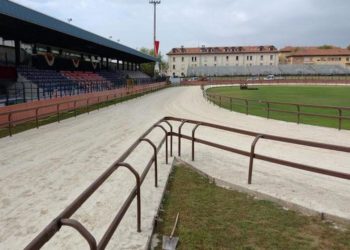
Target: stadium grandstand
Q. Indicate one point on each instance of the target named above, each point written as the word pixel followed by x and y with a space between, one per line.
pixel 42 57
pixel 265 70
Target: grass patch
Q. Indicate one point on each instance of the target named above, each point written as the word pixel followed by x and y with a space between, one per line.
pixel 317 95
pixel 216 218
pixel 67 114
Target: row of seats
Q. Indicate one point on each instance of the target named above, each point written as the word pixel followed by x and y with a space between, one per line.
pixel 45 79
pixel 48 79
pixel 50 83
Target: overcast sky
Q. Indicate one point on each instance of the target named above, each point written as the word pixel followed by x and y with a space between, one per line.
pixel 208 22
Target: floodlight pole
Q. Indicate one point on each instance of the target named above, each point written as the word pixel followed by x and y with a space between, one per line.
pixel 154 2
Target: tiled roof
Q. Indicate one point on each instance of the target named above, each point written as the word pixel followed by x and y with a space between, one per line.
pixel 223 50
pixel 320 52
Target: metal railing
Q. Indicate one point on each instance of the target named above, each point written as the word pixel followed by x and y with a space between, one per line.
pixel 64 106
pixel 251 154
pixel 246 104
pixel 25 90
pixel 64 218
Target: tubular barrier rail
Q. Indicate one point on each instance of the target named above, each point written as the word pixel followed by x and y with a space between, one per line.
pixel 33 113
pixel 220 99
pixel 251 154
pixel 64 218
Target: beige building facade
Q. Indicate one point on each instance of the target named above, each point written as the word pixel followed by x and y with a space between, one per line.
pixel 324 55
pixel 180 59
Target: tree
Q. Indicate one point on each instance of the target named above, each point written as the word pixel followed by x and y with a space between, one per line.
pixel 348 47
pixel 326 46
pixel 148 68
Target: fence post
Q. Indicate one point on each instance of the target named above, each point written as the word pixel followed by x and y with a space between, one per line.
pixel 179 136
pixel 252 156
pixel 58 112
pixel 268 110
pixel 155 160
pixel 298 108
pixel 340 117
pixel 246 107
pixel 87 106
pixel 75 108
pixel 10 123
pixel 231 104
pixel 36 117
pixel 193 139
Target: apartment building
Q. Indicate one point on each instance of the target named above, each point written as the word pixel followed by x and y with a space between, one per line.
pixel 182 58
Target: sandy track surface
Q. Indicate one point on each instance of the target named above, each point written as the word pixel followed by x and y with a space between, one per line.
pixel 43 170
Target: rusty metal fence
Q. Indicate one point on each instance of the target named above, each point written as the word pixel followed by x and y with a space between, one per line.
pixel 56 109
pixel 270 107
pixel 64 219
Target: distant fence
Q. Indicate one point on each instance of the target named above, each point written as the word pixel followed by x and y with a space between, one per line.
pixel 11 116
pixel 277 107
pixel 64 218
pixel 25 91
pixel 238 81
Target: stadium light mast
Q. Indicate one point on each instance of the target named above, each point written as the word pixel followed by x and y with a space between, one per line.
pixel 155 3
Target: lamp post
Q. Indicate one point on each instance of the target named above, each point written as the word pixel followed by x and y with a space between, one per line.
pixel 155 2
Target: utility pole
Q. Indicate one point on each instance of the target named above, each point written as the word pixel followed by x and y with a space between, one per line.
pixel 154 2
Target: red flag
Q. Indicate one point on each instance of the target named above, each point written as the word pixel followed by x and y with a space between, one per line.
pixel 156 47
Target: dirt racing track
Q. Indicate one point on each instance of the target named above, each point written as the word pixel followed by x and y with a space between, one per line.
pixel 43 170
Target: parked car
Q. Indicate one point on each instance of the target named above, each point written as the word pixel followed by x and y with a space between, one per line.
pixel 269 77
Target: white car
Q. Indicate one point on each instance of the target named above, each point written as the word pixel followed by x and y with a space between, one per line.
pixel 269 77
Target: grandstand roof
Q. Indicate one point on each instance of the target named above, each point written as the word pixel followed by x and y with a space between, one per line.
pixel 223 50
pixel 29 26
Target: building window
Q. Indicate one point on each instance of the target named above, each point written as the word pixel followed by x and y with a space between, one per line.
pixel 247 58
pixel 237 58
pixel 227 58
pixel 261 57
pixel 271 57
pixel 215 59
pixel 182 59
pixel 347 59
pixel 173 67
pixel 251 58
pixel 174 59
pixel 195 59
